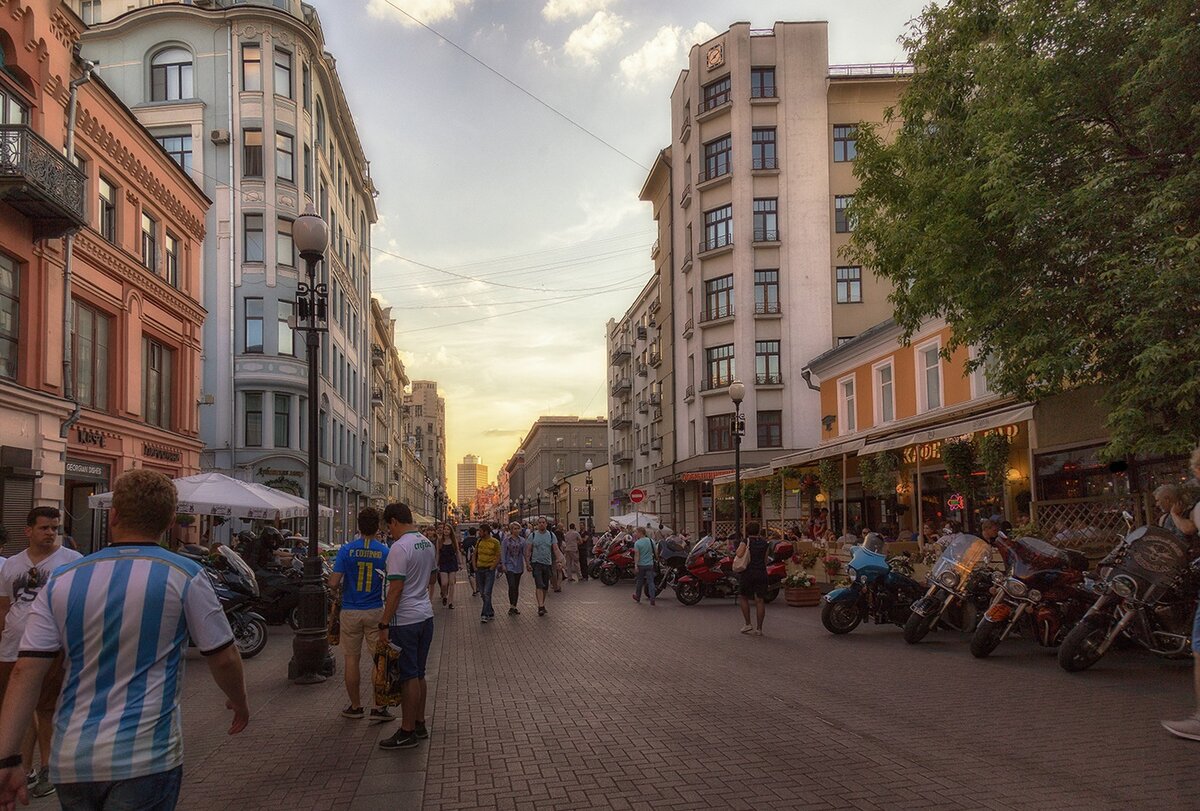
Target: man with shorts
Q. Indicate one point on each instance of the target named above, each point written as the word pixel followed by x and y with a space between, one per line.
pixel 539 554
pixel 357 569
pixel 21 578
pixel 408 619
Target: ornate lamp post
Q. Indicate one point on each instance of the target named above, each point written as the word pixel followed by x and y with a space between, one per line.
pixel 737 393
pixel 587 466
pixel 311 662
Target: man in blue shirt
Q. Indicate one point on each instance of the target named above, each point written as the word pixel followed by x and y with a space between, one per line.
pixel 644 554
pixel 359 570
pixel 539 554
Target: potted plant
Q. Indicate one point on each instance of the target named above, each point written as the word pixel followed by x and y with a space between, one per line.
pixel 182 520
pixel 833 566
pixel 806 558
pixel 800 589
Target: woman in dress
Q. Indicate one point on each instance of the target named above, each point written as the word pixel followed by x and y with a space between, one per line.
pixel 448 556
pixel 753 578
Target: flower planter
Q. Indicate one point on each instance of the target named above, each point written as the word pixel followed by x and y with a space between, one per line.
pixel 802 597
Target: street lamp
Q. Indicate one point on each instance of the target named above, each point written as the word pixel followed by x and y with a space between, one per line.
pixel 587 466
pixel 311 662
pixel 737 393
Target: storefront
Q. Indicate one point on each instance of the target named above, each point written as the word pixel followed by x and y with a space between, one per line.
pixel 85 478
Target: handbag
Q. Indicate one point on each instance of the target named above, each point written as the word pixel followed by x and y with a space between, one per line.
pixel 740 564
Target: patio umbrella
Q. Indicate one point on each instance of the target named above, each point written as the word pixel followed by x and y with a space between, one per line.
pixel 631 520
pixel 218 494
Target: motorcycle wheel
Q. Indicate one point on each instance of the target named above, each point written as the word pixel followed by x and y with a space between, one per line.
pixel 250 637
pixel 840 618
pixel 609 576
pixel 986 638
pixel 917 627
pixel 688 593
pixel 1081 649
pixel 293 618
pixel 772 593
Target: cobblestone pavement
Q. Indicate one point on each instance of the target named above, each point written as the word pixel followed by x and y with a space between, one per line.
pixel 607 703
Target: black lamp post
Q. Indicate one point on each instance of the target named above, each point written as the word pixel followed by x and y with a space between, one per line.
pixel 587 466
pixel 311 662
pixel 737 393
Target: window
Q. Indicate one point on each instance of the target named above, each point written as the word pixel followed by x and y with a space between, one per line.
pixel 885 393
pixel 306 85
pixel 762 146
pixel 980 385
pixel 766 291
pixel 718 298
pixel 149 243
pixel 308 170
pixel 715 94
pixel 12 109
pixel 285 249
pixel 254 244
pixel 285 157
pixel 766 219
pixel 845 143
pixel 841 339
pixel 156 383
pixel 849 285
pixel 847 418
pixel 251 66
pixel 171 255
pixel 929 376
pixel 171 75
pixel 843 223
pixel 287 310
pixel 283 74
pixel 252 153
pixel 108 210
pixel 89 12
pixel 770 429
pixel 283 420
pixel 717 155
pixel 766 363
pixel 253 419
pixel 10 316
pixel 762 83
pixel 90 351
pixel 179 147
pixel 320 116
pixel 253 335
pixel 720 437
pixel 718 228
pixel 718 362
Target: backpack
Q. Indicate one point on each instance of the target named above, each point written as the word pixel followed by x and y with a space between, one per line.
pixel 487 552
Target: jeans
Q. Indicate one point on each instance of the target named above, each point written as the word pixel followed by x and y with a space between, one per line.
pixel 645 576
pixel 514 587
pixel 584 551
pixel 154 792
pixel 485 580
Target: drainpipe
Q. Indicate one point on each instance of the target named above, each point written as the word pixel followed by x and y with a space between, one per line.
pixel 806 373
pixel 68 254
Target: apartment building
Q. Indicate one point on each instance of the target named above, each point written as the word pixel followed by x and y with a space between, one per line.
pixel 472 476
pixel 554 448
pixel 426 415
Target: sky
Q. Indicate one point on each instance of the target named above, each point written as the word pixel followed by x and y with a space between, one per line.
pixel 507 235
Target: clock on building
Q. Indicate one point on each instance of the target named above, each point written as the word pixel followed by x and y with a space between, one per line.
pixel 716 56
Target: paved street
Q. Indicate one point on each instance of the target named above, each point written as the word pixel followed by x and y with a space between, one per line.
pixel 605 703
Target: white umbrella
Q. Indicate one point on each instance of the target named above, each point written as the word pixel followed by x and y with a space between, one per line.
pixel 631 520
pixel 217 494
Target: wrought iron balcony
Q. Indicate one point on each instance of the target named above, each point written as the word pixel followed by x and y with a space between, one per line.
pixel 767 308
pixel 718 241
pixel 689 393
pixel 382 449
pixel 656 443
pixel 621 384
pixel 643 407
pixel 39 182
pixel 642 368
pixel 716 313
pixel 377 356
pixel 621 420
pixel 762 379
pixel 760 164
pixel 621 352
pixel 377 398
pixel 622 456
pixel 766 234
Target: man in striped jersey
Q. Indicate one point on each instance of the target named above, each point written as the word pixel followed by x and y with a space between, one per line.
pixel 122 618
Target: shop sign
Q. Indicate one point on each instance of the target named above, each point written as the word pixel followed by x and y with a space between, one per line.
pixel 88 469
pixel 585 508
pixel 86 436
pixel 932 451
pixel 165 454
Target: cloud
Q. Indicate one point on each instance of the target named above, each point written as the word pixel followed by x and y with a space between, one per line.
pixel 562 9
pixel 427 11
pixel 665 49
pixel 589 39
pixel 541 50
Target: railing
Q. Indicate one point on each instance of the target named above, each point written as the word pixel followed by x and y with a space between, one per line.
pixel 621 456
pixel 707 174
pixel 620 420
pixel 686 265
pixel 377 397
pixel 686 128
pixel 644 449
pixel 764 163
pixel 655 358
pixel 767 308
pixel 766 235
pixel 382 449
pixel 881 69
pixel 688 325
pixel 641 333
pixel 719 241
pixel 621 383
pixel 1091 525
pixel 717 313
pixel 642 369
pixel 714 101
pixel 656 444
pixel 655 399
pixel 713 385
pixel 768 380
pixel 377 356
pixel 764 92
pixel 689 392
pixel 654 249
pixel 643 407
pixel 38 181
pixel 619 351
pixel 686 197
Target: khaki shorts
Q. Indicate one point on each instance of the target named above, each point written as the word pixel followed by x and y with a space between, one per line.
pixel 357 625
pixel 51 684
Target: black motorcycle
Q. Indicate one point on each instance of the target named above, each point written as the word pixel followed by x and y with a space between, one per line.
pixel 237 589
pixel 1147 594
pixel 959 589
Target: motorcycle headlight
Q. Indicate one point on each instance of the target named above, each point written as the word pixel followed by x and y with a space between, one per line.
pixel 853 573
pixel 1035 595
pixel 1124 586
pixel 1015 587
pixel 998 578
pixel 948 579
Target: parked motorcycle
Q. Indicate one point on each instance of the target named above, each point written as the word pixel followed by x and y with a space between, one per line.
pixel 599 554
pixel 710 573
pixel 618 563
pixel 877 592
pixel 237 589
pixel 671 560
pixel 1147 593
pixel 1042 592
pixel 958 589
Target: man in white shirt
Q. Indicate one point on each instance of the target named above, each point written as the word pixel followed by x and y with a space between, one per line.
pixel 408 619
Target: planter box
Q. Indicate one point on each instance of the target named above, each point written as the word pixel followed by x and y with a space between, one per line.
pixel 802 597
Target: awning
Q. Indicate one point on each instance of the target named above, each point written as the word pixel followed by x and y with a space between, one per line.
pixel 817 454
pixel 703 475
pixel 763 472
pixel 421 520
pixel 983 422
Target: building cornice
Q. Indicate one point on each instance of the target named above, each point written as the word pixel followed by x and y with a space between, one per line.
pixel 119 264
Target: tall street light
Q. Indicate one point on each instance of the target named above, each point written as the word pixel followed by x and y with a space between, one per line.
pixel 737 393
pixel 311 662
pixel 587 466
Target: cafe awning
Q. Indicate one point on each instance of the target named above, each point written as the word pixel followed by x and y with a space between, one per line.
pixel 982 422
pixel 752 473
pixel 817 454
pixel 703 475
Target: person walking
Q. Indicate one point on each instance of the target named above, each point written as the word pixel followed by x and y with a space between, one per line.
pixel 408 620
pixel 468 545
pixel 539 554
pixel 122 618
pixel 447 563
pixel 644 555
pixel 572 541
pixel 358 570
pixel 753 578
pixel 512 563
pixel 484 558
pixel 21 579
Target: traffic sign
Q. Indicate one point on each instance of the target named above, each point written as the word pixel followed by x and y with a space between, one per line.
pixel 637 495
pixel 585 508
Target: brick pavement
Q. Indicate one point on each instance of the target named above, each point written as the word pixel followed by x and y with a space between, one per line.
pixel 606 703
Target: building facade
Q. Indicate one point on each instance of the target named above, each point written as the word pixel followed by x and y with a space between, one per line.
pixel 426 414
pixel 246 99
pixel 554 448
pixel 389 381
pixel 472 476
pixel 100 313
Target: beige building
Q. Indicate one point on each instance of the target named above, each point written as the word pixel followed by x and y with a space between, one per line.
pixel 396 474
pixel 471 477
pixel 427 432
pixel 574 490
pixel 554 448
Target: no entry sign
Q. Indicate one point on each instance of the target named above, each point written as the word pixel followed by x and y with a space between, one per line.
pixel 637 495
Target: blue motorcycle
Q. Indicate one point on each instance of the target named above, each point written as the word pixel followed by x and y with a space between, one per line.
pixel 877 591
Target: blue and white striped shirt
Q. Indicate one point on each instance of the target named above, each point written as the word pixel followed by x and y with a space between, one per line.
pixel 122 618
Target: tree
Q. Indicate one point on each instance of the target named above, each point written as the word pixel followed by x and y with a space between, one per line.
pixel 1042 194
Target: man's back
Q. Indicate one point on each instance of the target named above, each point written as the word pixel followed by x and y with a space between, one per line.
pixel 413 560
pixel 359 563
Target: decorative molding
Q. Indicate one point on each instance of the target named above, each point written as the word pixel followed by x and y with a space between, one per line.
pixel 64 30
pixel 253 195
pixel 125 268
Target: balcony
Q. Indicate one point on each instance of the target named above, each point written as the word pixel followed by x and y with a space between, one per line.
pixel 685 199
pixel 620 495
pixel 686 265
pixel 642 368
pixel 654 249
pixel 382 449
pixel 710 175
pixel 656 444
pixel 38 181
pixel 621 384
pixel 775 379
pixel 714 105
pixel 763 92
pixel 655 399
pixel 765 164
pixel 377 398
pixel 688 327
pixel 767 309
pixel 656 358
pixel 377 357
pixel 685 131
pixel 620 420
pixel 643 407
pixel 621 456
pixel 644 449
pixel 620 353
pixel 641 333
pixel 716 243
pixel 716 315
pixel 766 235
pixel 711 386
pixel 689 393
pixel 656 414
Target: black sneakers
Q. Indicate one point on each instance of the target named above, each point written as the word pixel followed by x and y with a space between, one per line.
pixel 356 713
pixel 401 740
pixel 380 715
pixel 421 731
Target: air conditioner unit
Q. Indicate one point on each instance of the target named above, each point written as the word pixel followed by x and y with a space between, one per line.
pixel 219 136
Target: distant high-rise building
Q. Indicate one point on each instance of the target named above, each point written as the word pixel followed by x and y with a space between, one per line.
pixel 426 415
pixel 471 477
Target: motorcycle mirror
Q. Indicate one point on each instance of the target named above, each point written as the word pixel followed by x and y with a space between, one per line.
pixel 1128 516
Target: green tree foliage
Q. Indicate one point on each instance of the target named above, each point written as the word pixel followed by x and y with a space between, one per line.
pixel 1042 194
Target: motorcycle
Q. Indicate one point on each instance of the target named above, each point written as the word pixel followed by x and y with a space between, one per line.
pixel 1147 594
pixel 877 592
pixel 237 589
pixel 1041 592
pixel 958 589
pixel 671 560
pixel 709 572
pixel 599 555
